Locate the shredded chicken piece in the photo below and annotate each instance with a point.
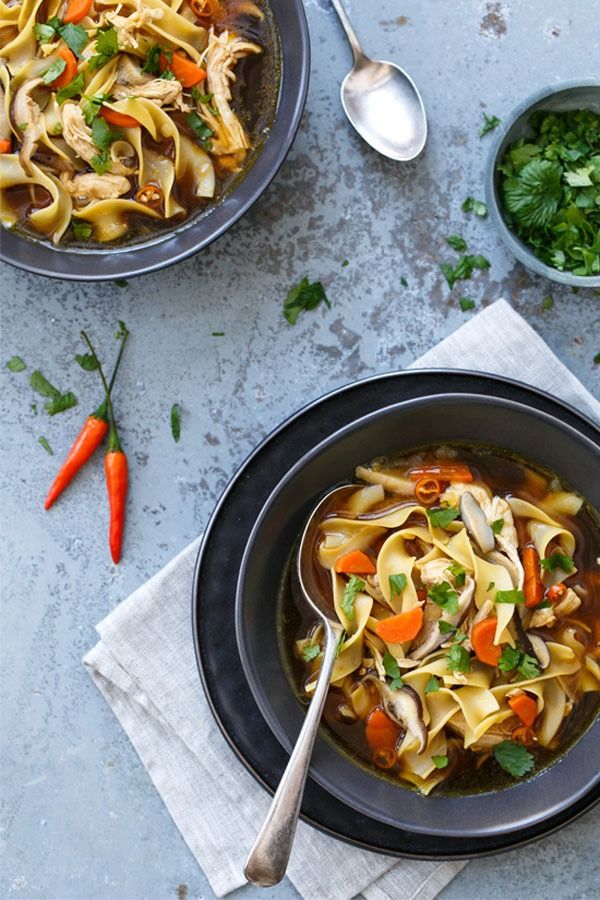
(507, 539)
(28, 120)
(90, 186)
(76, 133)
(221, 56)
(437, 570)
(129, 72)
(568, 604)
(159, 91)
(453, 493)
(128, 26)
(542, 618)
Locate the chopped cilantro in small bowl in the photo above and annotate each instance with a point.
(543, 183)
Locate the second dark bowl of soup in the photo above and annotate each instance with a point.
(518, 453)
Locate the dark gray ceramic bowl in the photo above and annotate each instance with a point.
(581, 94)
(534, 435)
(105, 263)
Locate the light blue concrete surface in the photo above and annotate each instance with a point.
(81, 819)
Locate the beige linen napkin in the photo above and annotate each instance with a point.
(144, 666)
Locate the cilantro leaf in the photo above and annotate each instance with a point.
(475, 206)
(176, 422)
(433, 684)
(44, 443)
(152, 62)
(489, 123)
(42, 386)
(497, 526)
(445, 627)
(458, 659)
(44, 32)
(103, 135)
(440, 762)
(107, 46)
(514, 758)
(534, 195)
(466, 303)
(548, 302)
(397, 584)
(353, 587)
(304, 296)
(513, 659)
(509, 659)
(75, 37)
(16, 364)
(444, 596)
(54, 71)
(528, 667)
(459, 573)
(510, 597)
(392, 670)
(81, 229)
(200, 128)
(558, 561)
(87, 361)
(61, 403)
(457, 243)
(74, 87)
(442, 516)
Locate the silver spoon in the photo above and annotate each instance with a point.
(382, 102)
(268, 859)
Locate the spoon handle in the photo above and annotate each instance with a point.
(268, 859)
(347, 26)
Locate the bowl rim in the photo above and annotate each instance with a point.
(341, 792)
(516, 246)
(106, 263)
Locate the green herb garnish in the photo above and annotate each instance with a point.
(54, 71)
(475, 206)
(57, 401)
(74, 87)
(81, 229)
(489, 123)
(45, 31)
(392, 670)
(44, 443)
(442, 516)
(558, 561)
(446, 627)
(199, 127)
(310, 652)
(463, 269)
(510, 597)
(16, 364)
(397, 584)
(513, 659)
(497, 526)
(458, 658)
(548, 302)
(550, 185)
(354, 586)
(87, 361)
(433, 684)
(440, 762)
(457, 243)
(514, 758)
(152, 62)
(403, 281)
(61, 403)
(466, 304)
(459, 573)
(75, 37)
(107, 46)
(304, 296)
(176, 422)
(444, 596)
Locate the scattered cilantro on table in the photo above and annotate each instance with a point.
(44, 443)
(457, 243)
(475, 206)
(57, 401)
(464, 268)
(304, 296)
(176, 422)
(466, 303)
(550, 187)
(548, 302)
(16, 364)
(489, 123)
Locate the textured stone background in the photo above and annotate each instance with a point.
(81, 817)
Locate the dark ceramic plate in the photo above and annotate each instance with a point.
(106, 262)
(215, 582)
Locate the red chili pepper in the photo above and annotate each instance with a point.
(115, 469)
(87, 441)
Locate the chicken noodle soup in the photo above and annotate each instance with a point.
(120, 119)
(468, 587)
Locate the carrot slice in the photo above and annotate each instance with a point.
(427, 490)
(443, 471)
(118, 119)
(355, 563)
(76, 11)
(70, 70)
(5, 145)
(482, 639)
(533, 587)
(403, 627)
(380, 731)
(525, 708)
(184, 70)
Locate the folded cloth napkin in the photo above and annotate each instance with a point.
(145, 667)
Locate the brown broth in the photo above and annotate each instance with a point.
(507, 476)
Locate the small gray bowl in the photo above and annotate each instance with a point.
(583, 93)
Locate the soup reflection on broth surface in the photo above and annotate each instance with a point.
(468, 586)
(119, 120)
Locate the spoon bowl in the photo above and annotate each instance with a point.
(382, 102)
